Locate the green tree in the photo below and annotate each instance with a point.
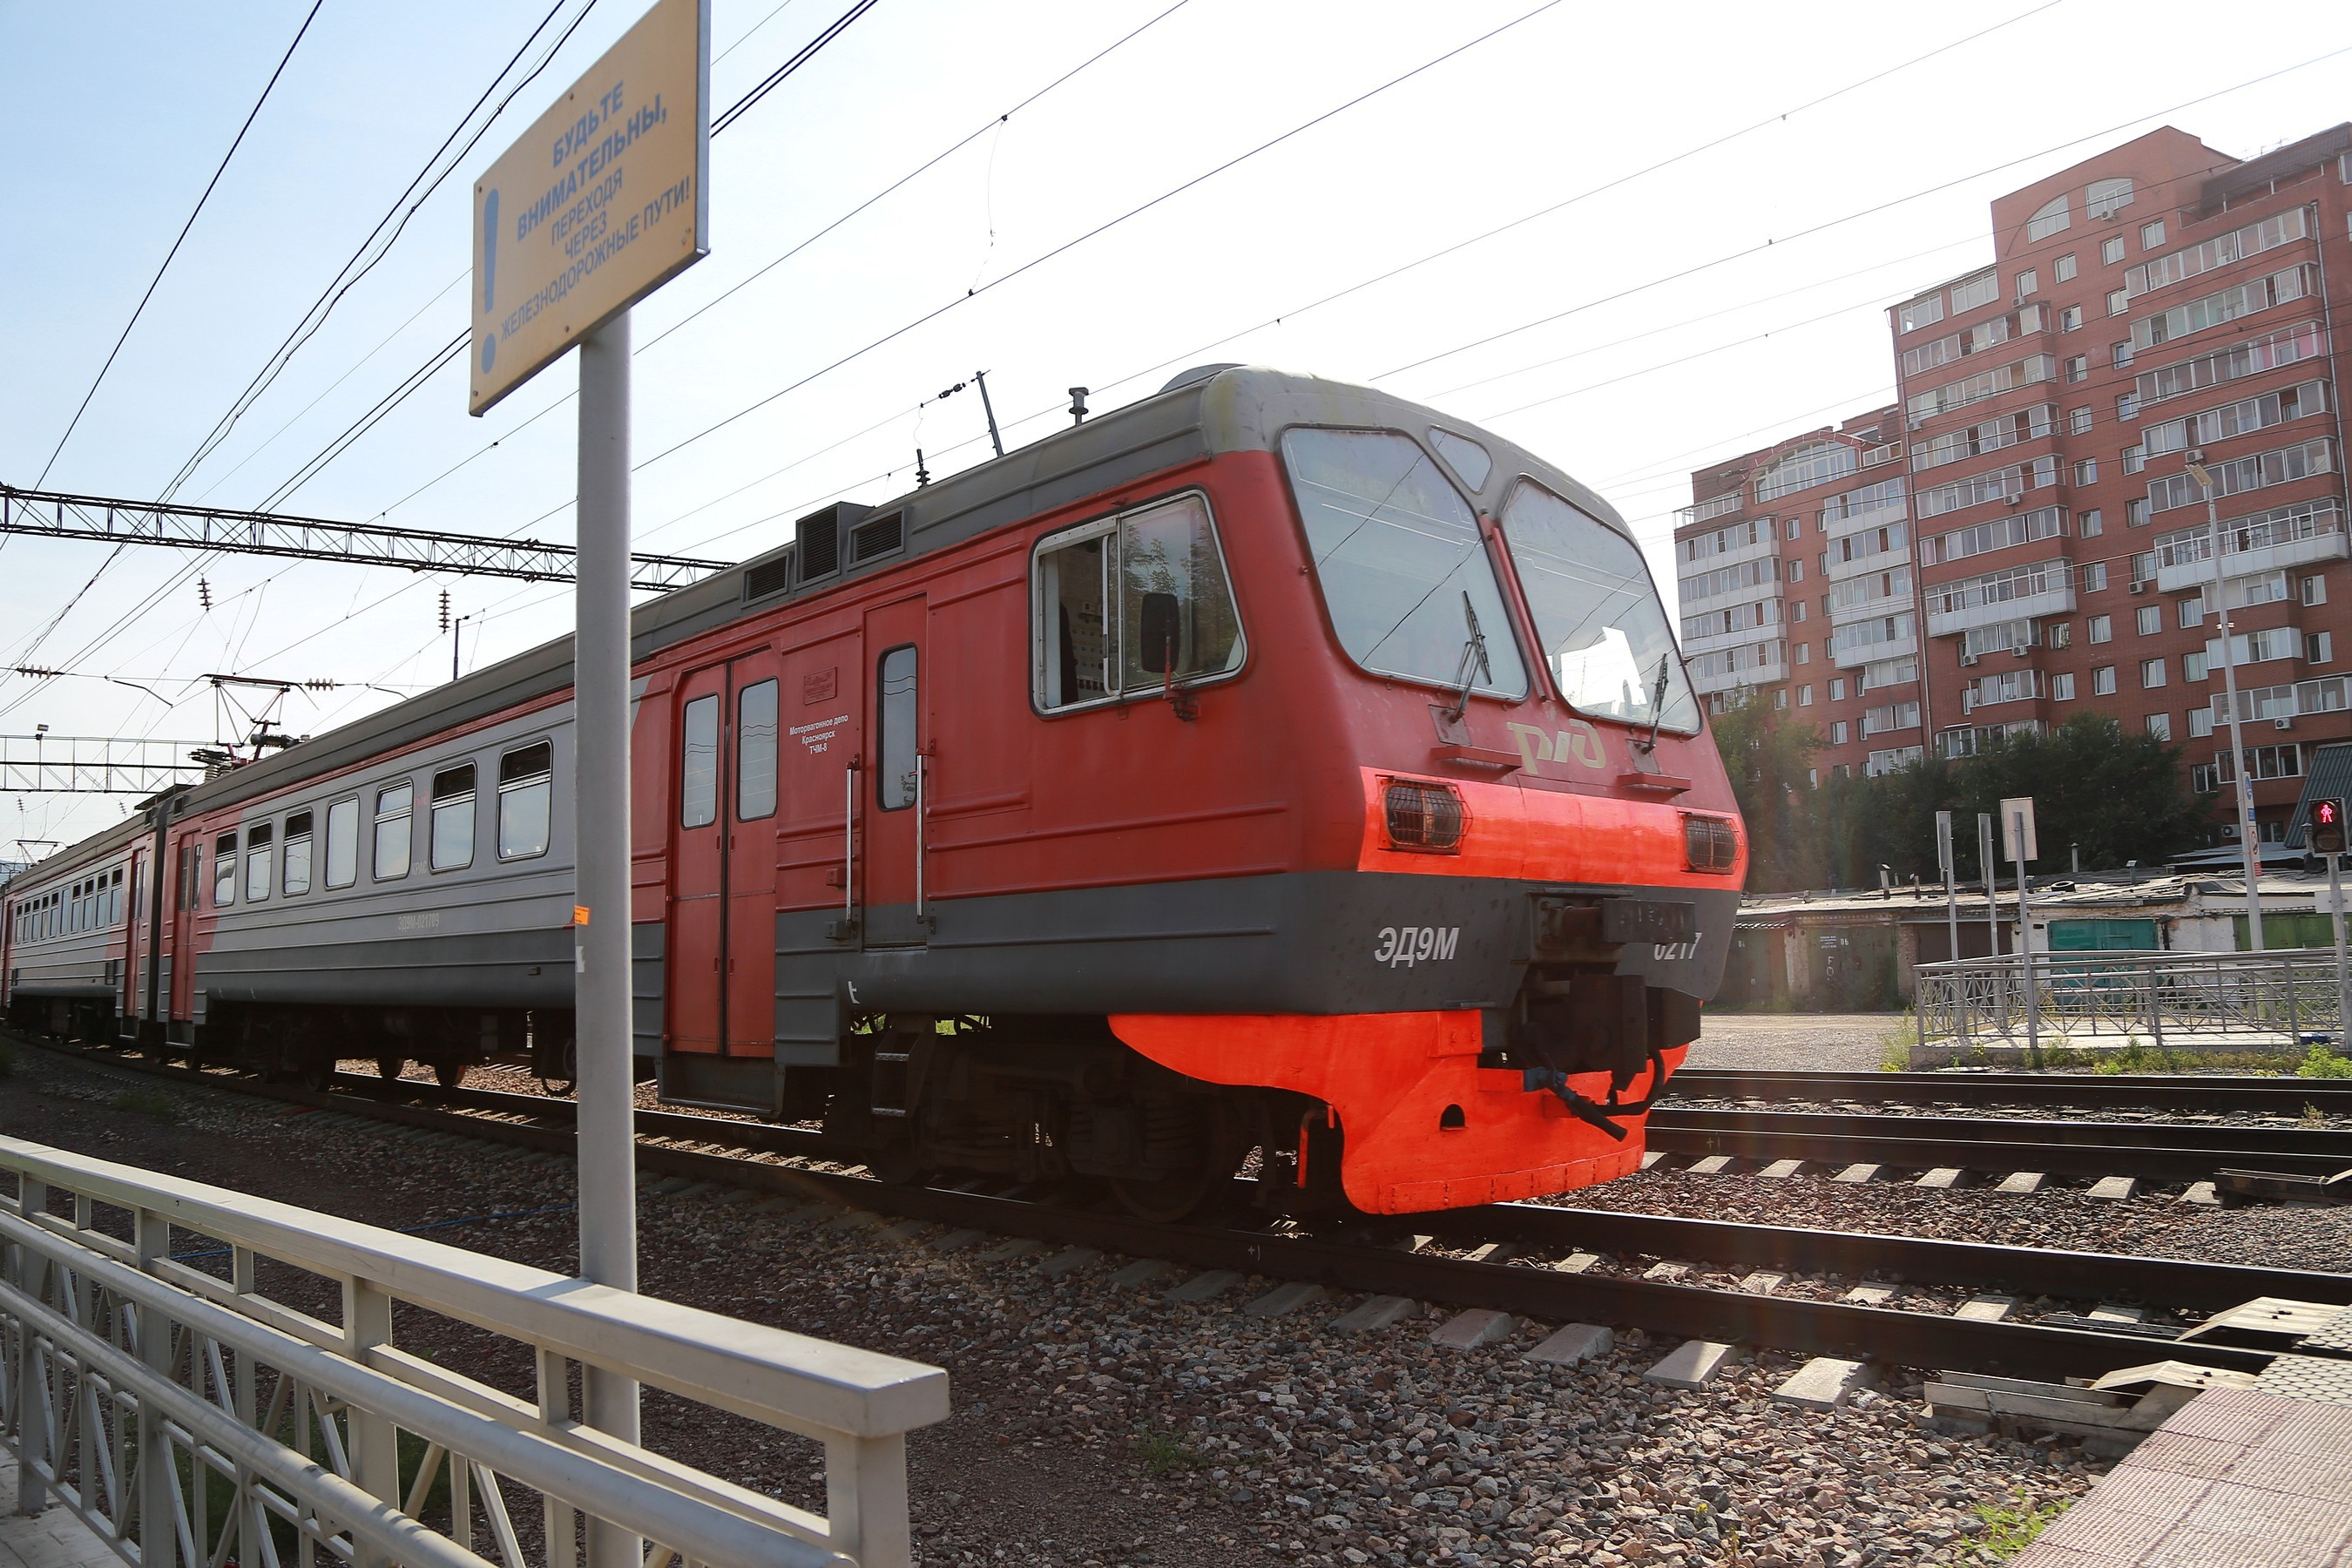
(1768, 756)
(2118, 796)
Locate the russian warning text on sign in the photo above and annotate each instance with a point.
(598, 203)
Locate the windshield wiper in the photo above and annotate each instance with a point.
(1658, 704)
(1474, 663)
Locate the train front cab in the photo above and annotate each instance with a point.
(1547, 867)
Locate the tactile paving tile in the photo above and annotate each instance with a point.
(2124, 1537)
(2191, 1548)
(2228, 1416)
(2237, 1510)
(2320, 1379)
(2160, 1494)
(2325, 1477)
(2336, 1336)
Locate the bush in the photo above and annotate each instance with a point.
(151, 1102)
(2322, 1062)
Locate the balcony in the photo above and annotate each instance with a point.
(1738, 555)
(1755, 675)
(1871, 653)
(1969, 613)
(1869, 609)
(1861, 565)
(2305, 533)
(1714, 642)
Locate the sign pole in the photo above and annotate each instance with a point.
(1992, 918)
(1944, 858)
(2025, 947)
(606, 1111)
(2343, 971)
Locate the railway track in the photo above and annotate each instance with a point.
(2217, 1094)
(1543, 1281)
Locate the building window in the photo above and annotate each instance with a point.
(2135, 459)
(1781, 697)
(1980, 289)
(2103, 680)
(1805, 697)
(1922, 312)
(1801, 608)
(2078, 369)
(2135, 513)
(2149, 619)
(2161, 726)
(2121, 354)
(1837, 733)
(2193, 666)
(2053, 218)
(2101, 627)
(1796, 571)
(2062, 270)
(2192, 611)
(2059, 633)
(2070, 320)
(2111, 250)
(1796, 528)
(527, 791)
(2061, 687)
(2086, 470)
(2318, 648)
(2314, 589)
(2027, 283)
(2201, 724)
(453, 818)
(1837, 689)
(2151, 674)
(2078, 422)
(1804, 653)
(2118, 301)
(2093, 523)
(2151, 235)
(2106, 199)
(391, 835)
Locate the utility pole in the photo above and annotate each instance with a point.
(2248, 836)
(980, 377)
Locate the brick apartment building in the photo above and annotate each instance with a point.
(2016, 539)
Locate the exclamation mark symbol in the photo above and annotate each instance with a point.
(489, 275)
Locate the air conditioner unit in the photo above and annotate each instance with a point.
(2282, 723)
(2020, 651)
(1967, 658)
(2139, 585)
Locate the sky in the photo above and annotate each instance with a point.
(1635, 239)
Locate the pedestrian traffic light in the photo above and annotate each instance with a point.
(2327, 827)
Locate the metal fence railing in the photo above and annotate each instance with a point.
(2225, 998)
(205, 1378)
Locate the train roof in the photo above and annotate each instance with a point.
(1201, 413)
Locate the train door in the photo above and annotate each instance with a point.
(896, 785)
(190, 889)
(131, 996)
(749, 1013)
(698, 913)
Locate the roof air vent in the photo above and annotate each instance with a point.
(880, 536)
(819, 537)
(772, 576)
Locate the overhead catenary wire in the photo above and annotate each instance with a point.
(137, 310)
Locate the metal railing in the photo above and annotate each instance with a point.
(165, 1373)
(2221, 998)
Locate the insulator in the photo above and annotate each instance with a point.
(204, 593)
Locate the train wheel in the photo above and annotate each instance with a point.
(389, 1067)
(449, 1075)
(1168, 1199)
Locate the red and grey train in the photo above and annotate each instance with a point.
(1270, 773)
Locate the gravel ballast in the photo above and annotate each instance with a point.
(1097, 1423)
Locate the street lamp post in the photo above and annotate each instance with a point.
(2249, 839)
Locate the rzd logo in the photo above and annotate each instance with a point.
(1579, 743)
(1409, 945)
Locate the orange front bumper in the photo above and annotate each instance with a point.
(1391, 1078)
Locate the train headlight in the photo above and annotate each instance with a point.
(1424, 816)
(1710, 843)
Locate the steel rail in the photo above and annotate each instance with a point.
(1551, 1295)
(2234, 1092)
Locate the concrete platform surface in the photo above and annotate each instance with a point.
(2235, 1478)
(50, 1539)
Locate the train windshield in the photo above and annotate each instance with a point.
(1603, 630)
(1408, 583)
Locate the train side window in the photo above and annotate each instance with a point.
(297, 853)
(1131, 604)
(224, 871)
(894, 762)
(392, 831)
(114, 910)
(526, 797)
(453, 818)
(1072, 621)
(697, 761)
(755, 751)
(258, 858)
(344, 843)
